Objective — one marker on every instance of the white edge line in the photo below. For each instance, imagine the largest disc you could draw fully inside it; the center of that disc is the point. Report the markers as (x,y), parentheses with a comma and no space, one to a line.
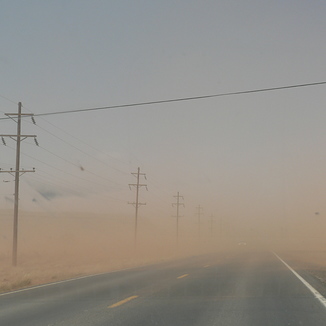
(65,281)
(317,295)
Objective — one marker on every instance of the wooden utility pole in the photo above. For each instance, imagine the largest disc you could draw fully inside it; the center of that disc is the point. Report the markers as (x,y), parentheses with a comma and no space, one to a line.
(177,204)
(17,172)
(211,226)
(136,204)
(199,214)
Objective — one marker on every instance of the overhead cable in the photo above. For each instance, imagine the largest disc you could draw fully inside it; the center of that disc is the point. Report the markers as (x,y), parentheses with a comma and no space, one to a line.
(182,99)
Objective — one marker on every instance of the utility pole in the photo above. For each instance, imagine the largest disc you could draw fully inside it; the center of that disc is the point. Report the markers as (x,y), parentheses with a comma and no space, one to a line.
(211,226)
(177,204)
(17,172)
(199,214)
(137,204)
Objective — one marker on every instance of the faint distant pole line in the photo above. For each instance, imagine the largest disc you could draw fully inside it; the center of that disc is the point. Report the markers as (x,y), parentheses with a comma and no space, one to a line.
(137,204)
(17,172)
(177,205)
(199,213)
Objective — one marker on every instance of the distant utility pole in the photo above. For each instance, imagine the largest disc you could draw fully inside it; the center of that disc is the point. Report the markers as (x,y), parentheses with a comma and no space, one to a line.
(177,205)
(17,172)
(199,214)
(136,204)
(211,226)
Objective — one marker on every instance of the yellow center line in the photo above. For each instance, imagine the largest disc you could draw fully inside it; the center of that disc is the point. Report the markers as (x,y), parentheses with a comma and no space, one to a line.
(206,266)
(117,304)
(182,276)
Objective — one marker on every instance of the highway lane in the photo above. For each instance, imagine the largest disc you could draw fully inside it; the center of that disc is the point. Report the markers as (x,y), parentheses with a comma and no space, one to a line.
(242,288)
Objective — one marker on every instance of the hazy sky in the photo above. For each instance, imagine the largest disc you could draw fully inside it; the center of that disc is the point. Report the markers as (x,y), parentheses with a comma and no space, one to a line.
(257,156)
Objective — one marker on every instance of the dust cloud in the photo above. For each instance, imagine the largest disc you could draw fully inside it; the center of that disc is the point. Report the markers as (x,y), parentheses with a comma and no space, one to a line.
(58,246)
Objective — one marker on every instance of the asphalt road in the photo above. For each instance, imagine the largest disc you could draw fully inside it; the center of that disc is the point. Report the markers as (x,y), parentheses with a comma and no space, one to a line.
(244,288)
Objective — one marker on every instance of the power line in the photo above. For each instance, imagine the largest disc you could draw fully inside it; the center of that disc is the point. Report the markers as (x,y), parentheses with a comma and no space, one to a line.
(82,151)
(8,99)
(63,171)
(64,185)
(89,145)
(41,180)
(79,167)
(82,141)
(181,99)
(76,165)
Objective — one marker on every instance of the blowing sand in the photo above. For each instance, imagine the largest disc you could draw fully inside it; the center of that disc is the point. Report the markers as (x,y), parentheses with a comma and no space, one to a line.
(55,247)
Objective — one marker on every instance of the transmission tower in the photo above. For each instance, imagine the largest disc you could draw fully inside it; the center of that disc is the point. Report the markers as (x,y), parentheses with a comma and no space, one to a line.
(137,204)
(177,205)
(17,172)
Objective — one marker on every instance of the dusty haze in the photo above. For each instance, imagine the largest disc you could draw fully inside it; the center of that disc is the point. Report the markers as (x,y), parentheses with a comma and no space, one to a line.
(57,246)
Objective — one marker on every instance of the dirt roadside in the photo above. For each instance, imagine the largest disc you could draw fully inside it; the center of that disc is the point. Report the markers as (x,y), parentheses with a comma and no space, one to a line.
(309,264)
